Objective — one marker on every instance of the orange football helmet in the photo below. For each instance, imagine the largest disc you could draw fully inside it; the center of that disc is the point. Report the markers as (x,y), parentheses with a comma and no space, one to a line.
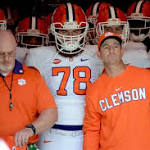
(47,20)
(138,16)
(3,22)
(92,13)
(112,19)
(69,18)
(32,31)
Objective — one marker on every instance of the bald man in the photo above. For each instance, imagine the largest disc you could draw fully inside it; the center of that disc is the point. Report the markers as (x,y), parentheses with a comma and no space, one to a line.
(27,106)
(7,51)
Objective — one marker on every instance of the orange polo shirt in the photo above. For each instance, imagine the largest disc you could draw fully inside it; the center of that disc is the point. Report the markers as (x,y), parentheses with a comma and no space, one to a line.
(30,96)
(117,112)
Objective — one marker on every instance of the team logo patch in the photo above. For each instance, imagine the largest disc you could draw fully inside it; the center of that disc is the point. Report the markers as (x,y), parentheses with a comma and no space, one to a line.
(56,61)
(117,89)
(21,82)
(83,59)
(20,71)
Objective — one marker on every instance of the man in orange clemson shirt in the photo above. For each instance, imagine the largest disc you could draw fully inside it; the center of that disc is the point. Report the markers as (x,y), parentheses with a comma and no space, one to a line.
(117,111)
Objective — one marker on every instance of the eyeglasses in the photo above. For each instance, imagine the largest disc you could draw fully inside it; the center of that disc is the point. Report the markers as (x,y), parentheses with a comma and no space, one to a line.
(8,54)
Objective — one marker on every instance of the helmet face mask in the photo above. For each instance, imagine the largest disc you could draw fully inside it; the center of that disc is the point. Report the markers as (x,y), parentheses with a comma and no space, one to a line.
(70,38)
(29,34)
(3,25)
(138,16)
(139,29)
(70,33)
(92,20)
(121,28)
(113,20)
(31,40)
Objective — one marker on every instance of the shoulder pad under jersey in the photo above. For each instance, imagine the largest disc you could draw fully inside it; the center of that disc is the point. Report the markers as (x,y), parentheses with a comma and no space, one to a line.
(34,68)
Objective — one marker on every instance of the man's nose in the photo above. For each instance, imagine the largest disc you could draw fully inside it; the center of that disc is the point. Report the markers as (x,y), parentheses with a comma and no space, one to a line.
(7,57)
(111,49)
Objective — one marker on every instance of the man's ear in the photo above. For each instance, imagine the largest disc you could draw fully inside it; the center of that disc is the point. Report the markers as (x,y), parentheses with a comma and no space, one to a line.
(122,50)
(98,53)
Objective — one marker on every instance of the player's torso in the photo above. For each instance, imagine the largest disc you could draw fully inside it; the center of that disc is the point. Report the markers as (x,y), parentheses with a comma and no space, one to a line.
(67,78)
(21,53)
(135,54)
(71,75)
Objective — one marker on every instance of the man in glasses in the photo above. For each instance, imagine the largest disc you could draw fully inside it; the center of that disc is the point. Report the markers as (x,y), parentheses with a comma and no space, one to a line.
(27,106)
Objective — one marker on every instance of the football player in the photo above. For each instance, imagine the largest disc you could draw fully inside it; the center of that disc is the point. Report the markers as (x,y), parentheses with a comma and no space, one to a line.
(92,13)
(31,32)
(113,19)
(138,16)
(67,69)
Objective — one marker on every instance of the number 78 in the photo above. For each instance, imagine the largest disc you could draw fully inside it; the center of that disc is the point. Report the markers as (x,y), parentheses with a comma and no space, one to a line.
(77,79)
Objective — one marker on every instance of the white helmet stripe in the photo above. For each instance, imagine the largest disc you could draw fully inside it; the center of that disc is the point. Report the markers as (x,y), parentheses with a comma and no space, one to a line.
(70,12)
(112,12)
(33,25)
(94,13)
(138,7)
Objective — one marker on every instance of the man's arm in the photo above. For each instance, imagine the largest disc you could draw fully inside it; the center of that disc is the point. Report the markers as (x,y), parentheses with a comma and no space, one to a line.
(45,121)
(91,128)
(45,107)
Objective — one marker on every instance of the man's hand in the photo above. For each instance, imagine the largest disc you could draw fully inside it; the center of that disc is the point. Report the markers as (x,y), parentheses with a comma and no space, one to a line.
(22,136)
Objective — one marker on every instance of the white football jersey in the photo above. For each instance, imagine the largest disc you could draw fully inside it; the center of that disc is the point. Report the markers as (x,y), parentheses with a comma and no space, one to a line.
(135,54)
(21,53)
(67,79)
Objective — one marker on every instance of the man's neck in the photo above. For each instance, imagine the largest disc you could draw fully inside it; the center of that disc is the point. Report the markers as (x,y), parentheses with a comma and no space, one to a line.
(115,69)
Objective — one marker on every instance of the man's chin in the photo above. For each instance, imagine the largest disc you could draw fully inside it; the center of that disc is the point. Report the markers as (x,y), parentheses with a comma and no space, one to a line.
(112,62)
(6,69)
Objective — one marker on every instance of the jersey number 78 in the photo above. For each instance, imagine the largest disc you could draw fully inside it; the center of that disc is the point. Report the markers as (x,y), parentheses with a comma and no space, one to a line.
(77,79)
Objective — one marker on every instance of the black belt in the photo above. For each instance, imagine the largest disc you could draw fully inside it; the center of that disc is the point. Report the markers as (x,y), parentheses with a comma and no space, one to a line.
(68,127)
